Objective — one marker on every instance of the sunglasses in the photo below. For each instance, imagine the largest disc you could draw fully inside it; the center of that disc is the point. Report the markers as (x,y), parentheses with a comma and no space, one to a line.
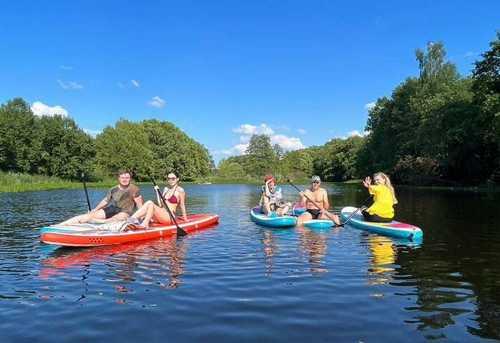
(315,182)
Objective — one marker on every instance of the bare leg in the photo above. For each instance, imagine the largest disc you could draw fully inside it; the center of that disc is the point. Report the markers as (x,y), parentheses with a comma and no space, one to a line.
(330,216)
(303,218)
(150,209)
(283,210)
(117,217)
(161,215)
(85,218)
(143,210)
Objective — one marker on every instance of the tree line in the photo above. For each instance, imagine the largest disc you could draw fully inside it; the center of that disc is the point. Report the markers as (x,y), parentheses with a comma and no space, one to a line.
(56,146)
(436,128)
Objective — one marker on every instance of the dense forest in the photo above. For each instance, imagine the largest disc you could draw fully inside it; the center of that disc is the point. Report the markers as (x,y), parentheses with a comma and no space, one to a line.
(56,146)
(436,128)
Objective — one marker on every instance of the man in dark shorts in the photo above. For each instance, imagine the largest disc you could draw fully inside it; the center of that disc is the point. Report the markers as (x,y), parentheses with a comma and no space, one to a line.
(315,200)
(120,202)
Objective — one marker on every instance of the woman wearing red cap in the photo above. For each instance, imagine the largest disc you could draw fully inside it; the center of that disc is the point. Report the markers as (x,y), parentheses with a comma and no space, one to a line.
(271,202)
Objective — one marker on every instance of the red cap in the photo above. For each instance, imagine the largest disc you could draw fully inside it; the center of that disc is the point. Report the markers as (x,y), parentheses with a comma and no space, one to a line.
(269,177)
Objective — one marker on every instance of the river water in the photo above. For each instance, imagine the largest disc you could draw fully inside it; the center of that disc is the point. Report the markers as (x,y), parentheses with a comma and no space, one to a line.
(245,283)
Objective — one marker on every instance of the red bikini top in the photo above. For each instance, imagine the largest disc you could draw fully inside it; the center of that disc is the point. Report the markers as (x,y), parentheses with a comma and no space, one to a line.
(173,199)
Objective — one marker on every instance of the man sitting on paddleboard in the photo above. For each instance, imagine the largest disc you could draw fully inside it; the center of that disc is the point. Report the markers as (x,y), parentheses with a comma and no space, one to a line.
(315,200)
(118,204)
(384,199)
(271,201)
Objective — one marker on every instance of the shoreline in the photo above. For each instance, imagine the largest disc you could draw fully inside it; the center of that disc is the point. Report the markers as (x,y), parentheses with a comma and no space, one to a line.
(19,183)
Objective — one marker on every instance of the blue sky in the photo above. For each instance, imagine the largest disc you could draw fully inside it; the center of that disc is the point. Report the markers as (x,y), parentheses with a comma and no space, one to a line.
(301,71)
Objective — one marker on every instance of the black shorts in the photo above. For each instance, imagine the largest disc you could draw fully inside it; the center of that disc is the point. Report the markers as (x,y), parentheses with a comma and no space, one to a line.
(374,218)
(315,213)
(111,211)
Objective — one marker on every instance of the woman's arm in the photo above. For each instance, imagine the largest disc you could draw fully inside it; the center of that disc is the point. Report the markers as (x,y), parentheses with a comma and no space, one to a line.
(158,200)
(182,204)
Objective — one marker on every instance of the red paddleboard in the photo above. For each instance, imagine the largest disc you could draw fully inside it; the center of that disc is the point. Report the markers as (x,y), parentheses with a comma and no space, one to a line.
(91,236)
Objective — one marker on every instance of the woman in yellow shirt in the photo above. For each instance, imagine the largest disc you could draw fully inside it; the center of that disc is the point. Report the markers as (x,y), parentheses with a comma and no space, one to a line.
(384,199)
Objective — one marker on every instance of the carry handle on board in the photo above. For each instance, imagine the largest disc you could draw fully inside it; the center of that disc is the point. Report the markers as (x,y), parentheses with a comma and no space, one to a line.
(180,231)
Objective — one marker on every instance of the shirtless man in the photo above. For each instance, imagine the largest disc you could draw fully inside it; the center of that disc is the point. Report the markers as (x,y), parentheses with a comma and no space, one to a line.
(118,204)
(319,199)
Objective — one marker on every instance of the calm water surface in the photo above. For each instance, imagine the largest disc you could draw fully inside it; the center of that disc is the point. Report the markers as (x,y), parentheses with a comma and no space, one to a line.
(241,282)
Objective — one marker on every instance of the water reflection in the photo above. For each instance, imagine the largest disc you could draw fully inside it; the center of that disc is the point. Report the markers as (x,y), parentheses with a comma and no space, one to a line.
(126,262)
(383,257)
(314,244)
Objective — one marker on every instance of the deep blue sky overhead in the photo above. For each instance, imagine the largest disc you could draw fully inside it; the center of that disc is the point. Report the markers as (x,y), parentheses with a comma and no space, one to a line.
(302,71)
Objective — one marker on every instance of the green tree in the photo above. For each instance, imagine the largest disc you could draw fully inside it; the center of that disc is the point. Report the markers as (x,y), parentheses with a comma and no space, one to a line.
(126,145)
(486,89)
(66,150)
(19,149)
(261,156)
(230,169)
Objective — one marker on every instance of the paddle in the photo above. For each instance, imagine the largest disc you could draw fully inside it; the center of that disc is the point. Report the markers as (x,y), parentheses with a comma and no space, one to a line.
(353,213)
(180,231)
(328,214)
(86,192)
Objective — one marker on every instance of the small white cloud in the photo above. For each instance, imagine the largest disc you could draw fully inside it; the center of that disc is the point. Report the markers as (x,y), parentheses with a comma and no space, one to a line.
(369,106)
(65,67)
(69,85)
(238,149)
(157,102)
(287,143)
(135,83)
(40,109)
(93,133)
(357,133)
(248,129)
(120,84)
(301,131)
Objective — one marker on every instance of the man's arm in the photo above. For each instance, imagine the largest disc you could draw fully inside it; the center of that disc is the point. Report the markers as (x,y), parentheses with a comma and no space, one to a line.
(303,198)
(100,205)
(326,203)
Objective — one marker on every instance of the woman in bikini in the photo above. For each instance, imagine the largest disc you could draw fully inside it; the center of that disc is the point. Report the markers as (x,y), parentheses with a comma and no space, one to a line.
(174,196)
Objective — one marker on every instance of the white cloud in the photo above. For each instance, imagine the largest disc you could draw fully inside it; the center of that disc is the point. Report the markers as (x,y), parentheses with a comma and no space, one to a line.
(135,83)
(302,131)
(238,149)
(287,143)
(65,67)
(357,133)
(370,105)
(69,84)
(40,109)
(93,133)
(247,130)
(157,102)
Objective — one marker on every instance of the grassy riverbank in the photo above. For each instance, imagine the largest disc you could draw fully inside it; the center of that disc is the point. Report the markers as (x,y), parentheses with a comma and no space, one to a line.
(17,182)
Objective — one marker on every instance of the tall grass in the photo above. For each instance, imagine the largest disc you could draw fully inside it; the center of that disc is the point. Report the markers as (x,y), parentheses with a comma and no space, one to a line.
(18,182)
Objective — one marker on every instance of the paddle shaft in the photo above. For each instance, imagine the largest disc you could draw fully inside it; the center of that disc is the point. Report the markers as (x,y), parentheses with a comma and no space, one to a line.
(86,192)
(359,208)
(314,203)
(180,231)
